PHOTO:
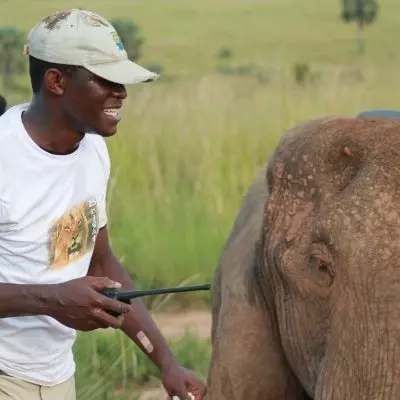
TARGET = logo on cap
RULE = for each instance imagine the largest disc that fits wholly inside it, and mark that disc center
(117, 41)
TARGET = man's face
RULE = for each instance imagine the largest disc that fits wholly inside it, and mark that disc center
(90, 103)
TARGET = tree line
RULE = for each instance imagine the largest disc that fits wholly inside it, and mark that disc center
(12, 40)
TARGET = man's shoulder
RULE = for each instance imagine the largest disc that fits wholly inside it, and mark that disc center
(96, 139)
(98, 143)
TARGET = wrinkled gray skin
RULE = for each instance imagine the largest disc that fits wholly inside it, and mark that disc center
(306, 297)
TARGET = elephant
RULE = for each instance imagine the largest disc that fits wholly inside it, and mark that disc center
(306, 292)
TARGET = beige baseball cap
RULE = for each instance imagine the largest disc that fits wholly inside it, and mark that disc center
(82, 38)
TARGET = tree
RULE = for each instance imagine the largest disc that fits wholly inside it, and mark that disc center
(12, 61)
(128, 31)
(362, 12)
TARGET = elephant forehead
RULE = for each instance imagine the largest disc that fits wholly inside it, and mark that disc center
(332, 146)
(319, 159)
(370, 216)
(343, 173)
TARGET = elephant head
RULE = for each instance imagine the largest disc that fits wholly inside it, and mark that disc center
(306, 296)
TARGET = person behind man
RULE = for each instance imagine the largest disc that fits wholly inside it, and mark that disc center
(3, 105)
(55, 253)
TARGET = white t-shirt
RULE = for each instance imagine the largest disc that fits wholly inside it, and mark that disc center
(51, 208)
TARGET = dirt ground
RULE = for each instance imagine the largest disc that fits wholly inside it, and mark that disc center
(174, 325)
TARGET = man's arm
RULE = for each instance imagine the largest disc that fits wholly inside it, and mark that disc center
(138, 324)
(76, 303)
(23, 300)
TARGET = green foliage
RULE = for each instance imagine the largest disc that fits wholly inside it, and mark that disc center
(303, 74)
(364, 11)
(128, 31)
(225, 53)
(225, 66)
(155, 67)
(12, 60)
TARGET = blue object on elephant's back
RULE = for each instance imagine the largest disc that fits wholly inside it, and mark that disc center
(380, 114)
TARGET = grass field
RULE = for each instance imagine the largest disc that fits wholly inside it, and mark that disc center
(190, 143)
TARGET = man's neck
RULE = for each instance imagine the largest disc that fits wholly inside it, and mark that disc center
(48, 130)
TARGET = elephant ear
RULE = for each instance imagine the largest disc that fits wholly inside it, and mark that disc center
(247, 360)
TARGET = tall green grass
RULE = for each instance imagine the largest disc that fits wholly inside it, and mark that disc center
(112, 367)
(183, 159)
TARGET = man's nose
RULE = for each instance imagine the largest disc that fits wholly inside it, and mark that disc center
(119, 91)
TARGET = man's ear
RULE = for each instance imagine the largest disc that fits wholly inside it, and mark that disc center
(54, 81)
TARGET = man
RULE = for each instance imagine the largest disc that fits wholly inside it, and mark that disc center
(55, 254)
(3, 105)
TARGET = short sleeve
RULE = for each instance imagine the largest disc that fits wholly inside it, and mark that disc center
(103, 210)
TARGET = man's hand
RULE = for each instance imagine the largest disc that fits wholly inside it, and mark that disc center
(78, 304)
(179, 381)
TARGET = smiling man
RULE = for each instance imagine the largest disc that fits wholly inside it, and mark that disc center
(55, 254)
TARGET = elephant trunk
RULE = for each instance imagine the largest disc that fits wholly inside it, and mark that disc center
(362, 360)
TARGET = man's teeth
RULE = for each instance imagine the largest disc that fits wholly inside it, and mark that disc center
(111, 111)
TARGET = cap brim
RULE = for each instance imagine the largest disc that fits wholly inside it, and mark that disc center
(124, 72)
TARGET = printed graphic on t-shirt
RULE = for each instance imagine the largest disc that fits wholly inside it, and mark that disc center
(74, 234)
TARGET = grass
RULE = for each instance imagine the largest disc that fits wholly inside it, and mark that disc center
(175, 203)
(111, 367)
(190, 144)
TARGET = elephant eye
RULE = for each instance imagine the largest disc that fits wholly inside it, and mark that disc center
(321, 264)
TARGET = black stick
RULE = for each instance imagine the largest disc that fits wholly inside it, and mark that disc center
(126, 296)
(150, 292)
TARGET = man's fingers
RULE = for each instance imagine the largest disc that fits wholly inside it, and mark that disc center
(195, 386)
(98, 283)
(116, 306)
(106, 319)
(108, 303)
(198, 388)
(182, 395)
